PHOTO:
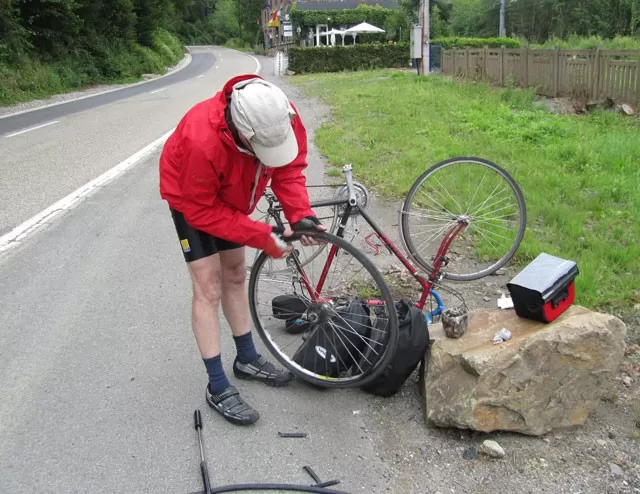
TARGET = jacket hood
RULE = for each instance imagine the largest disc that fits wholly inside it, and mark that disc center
(228, 87)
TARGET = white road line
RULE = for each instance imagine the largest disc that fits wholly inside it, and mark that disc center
(258, 66)
(19, 233)
(217, 67)
(24, 131)
(158, 90)
(200, 76)
(29, 227)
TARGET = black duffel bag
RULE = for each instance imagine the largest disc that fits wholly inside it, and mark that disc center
(413, 341)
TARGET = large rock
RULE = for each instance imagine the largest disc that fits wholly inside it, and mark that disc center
(546, 376)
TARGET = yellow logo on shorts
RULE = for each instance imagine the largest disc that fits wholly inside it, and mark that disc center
(185, 245)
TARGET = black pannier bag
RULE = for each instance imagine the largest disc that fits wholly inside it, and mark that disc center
(332, 348)
(290, 308)
(413, 342)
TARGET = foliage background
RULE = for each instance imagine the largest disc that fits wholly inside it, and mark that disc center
(50, 46)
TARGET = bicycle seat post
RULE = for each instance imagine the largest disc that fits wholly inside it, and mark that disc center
(349, 177)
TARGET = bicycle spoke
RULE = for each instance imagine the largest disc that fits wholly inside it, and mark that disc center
(493, 208)
(345, 346)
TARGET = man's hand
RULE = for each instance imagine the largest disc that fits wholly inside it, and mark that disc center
(276, 247)
(309, 223)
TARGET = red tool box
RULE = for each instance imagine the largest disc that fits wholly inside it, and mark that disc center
(544, 289)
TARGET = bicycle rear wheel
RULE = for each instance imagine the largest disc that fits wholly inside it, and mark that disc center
(471, 190)
(338, 327)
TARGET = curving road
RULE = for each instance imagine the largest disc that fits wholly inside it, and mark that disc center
(81, 139)
(99, 373)
(202, 61)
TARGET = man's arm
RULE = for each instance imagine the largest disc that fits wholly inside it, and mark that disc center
(289, 183)
(204, 211)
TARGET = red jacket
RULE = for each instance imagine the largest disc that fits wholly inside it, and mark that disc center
(216, 186)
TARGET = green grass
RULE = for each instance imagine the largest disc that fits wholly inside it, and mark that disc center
(580, 174)
(107, 63)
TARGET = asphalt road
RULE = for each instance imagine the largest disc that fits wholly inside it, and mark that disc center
(100, 373)
(43, 165)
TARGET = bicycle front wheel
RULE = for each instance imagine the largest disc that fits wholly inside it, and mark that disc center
(331, 322)
(474, 191)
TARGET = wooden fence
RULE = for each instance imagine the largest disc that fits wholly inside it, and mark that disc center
(590, 75)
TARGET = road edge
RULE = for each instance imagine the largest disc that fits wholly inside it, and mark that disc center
(187, 57)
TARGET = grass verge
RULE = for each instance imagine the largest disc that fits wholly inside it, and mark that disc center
(580, 174)
(106, 63)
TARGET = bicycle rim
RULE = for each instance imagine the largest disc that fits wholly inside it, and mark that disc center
(481, 193)
(333, 335)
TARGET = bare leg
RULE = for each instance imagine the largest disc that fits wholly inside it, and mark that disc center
(235, 300)
(206, 280)
(235, 305)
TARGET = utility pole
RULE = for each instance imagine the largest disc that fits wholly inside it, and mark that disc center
(503, 8)
(426, 39)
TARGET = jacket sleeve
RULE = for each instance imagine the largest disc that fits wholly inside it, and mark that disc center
(289, 183)
(203, 210)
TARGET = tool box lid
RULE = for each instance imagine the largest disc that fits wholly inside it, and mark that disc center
(545, 274)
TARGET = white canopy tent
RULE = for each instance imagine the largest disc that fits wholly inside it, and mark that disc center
(333, 33)
(362, 28)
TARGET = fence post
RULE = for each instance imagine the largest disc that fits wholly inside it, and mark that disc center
(526, 65)
(638, 81)
(556, 71)
(502, 65)
(466, 73)
(485, 54)
(595, 73)
(453, 52)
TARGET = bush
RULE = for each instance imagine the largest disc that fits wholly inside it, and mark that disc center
(104, 60)
(375, 15)
(456, 42)
(353, 57)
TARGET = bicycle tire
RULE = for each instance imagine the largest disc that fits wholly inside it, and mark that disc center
(355, 253)
(406, 207)
(319, 249)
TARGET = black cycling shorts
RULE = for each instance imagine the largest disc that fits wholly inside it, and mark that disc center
(196, 244)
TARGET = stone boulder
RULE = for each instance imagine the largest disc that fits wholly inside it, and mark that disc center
(546, 376)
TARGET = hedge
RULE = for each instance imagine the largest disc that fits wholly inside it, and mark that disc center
(352, 57)
(362, 13)
(455, 42)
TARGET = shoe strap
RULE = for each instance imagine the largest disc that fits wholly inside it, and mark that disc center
(227, 393)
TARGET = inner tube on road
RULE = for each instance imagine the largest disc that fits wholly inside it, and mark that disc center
(272, 487)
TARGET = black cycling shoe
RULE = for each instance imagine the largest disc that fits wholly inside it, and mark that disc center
(262, 370)
(232, 407)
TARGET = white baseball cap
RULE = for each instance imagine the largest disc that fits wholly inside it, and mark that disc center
(262, 114)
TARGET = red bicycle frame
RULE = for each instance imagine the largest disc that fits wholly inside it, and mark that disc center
(425, 283)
